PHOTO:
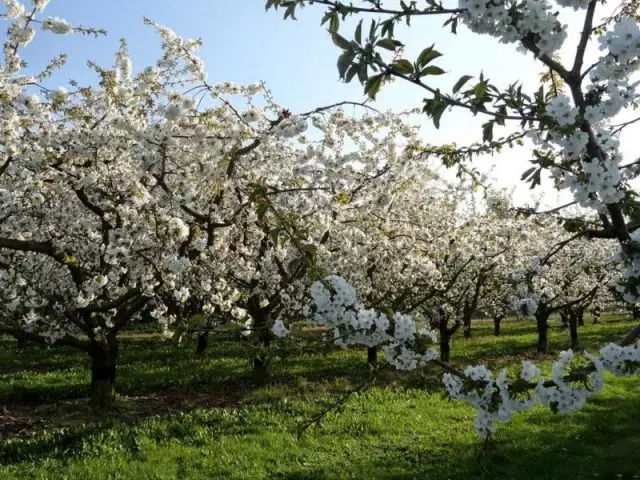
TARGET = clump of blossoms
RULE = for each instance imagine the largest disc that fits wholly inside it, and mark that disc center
(337, 306)
(57, 25)
(573, 380)
(532, 19)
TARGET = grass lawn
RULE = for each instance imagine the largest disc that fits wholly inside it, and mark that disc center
(182, 417)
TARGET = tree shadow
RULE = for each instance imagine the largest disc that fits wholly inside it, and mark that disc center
(548, 455)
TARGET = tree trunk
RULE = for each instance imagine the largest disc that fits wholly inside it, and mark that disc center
(372, 356)
(260, 323)
(581, 317)
(201, 346)
(22, 343)
(466, 319)
(260, 369)
(564, 319)
(496, 325)
(104, 357)
(573, 329)
(542, 317)
(445, 348)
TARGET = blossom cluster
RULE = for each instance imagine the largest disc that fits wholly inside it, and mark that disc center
(572, 381)
(570, 386)
(337, 306)
(534, 19)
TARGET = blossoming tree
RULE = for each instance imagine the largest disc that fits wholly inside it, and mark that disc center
(575, 140)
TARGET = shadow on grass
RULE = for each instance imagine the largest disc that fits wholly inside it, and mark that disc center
(606, 445)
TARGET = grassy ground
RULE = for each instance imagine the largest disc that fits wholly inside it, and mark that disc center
(181, 417)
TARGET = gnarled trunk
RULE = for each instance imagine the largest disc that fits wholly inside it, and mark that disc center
(260, 324)
(22, 343)
(564, 319)
(372, 356)
(445, 337)
(496, 325)
(542, 321)
(203, 340)
(104, 359)
(466, 319)
(573, 329)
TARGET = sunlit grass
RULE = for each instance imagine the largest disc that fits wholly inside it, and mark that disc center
(182, 417)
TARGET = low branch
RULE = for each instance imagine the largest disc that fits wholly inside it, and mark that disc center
(35, 338)
(47, 248)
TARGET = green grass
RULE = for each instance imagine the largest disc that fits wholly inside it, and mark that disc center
(181, 417)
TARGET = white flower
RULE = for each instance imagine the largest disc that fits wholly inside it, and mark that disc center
(14, 8)
(59, 94)
(279, 330)
(39, 5)
(57, 25)
(178, 228)
(561, 111)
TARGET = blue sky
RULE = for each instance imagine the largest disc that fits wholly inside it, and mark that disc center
(244, 44)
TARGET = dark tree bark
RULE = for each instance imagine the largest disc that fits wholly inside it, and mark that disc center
(564, 319)
(542, 321)
(203, 341)
(471, 304)
(104, 359)
(445, 336)
(261, 324)
(496, 325)
(372, 356)
(466, 319)
(573, 329)
(580, 317)
(22, 343)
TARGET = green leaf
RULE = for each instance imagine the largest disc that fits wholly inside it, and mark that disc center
(275, 233)
(293, 265)
(334, 24)
(290, 12)
(387, 28)
(372, 31)
(351, 72)
(363, 73)
(435, 107)
(340, 41)
(453, 21)
(402, 66)
(460, 83)
(358, 34)
(261, 210)
(481, 91)
(427, 55)
(344, 62)
(535, 179)
(431, 70)
(527, 173)
(389, 44)
(372, 87)
(311, 250)
(487, 131)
